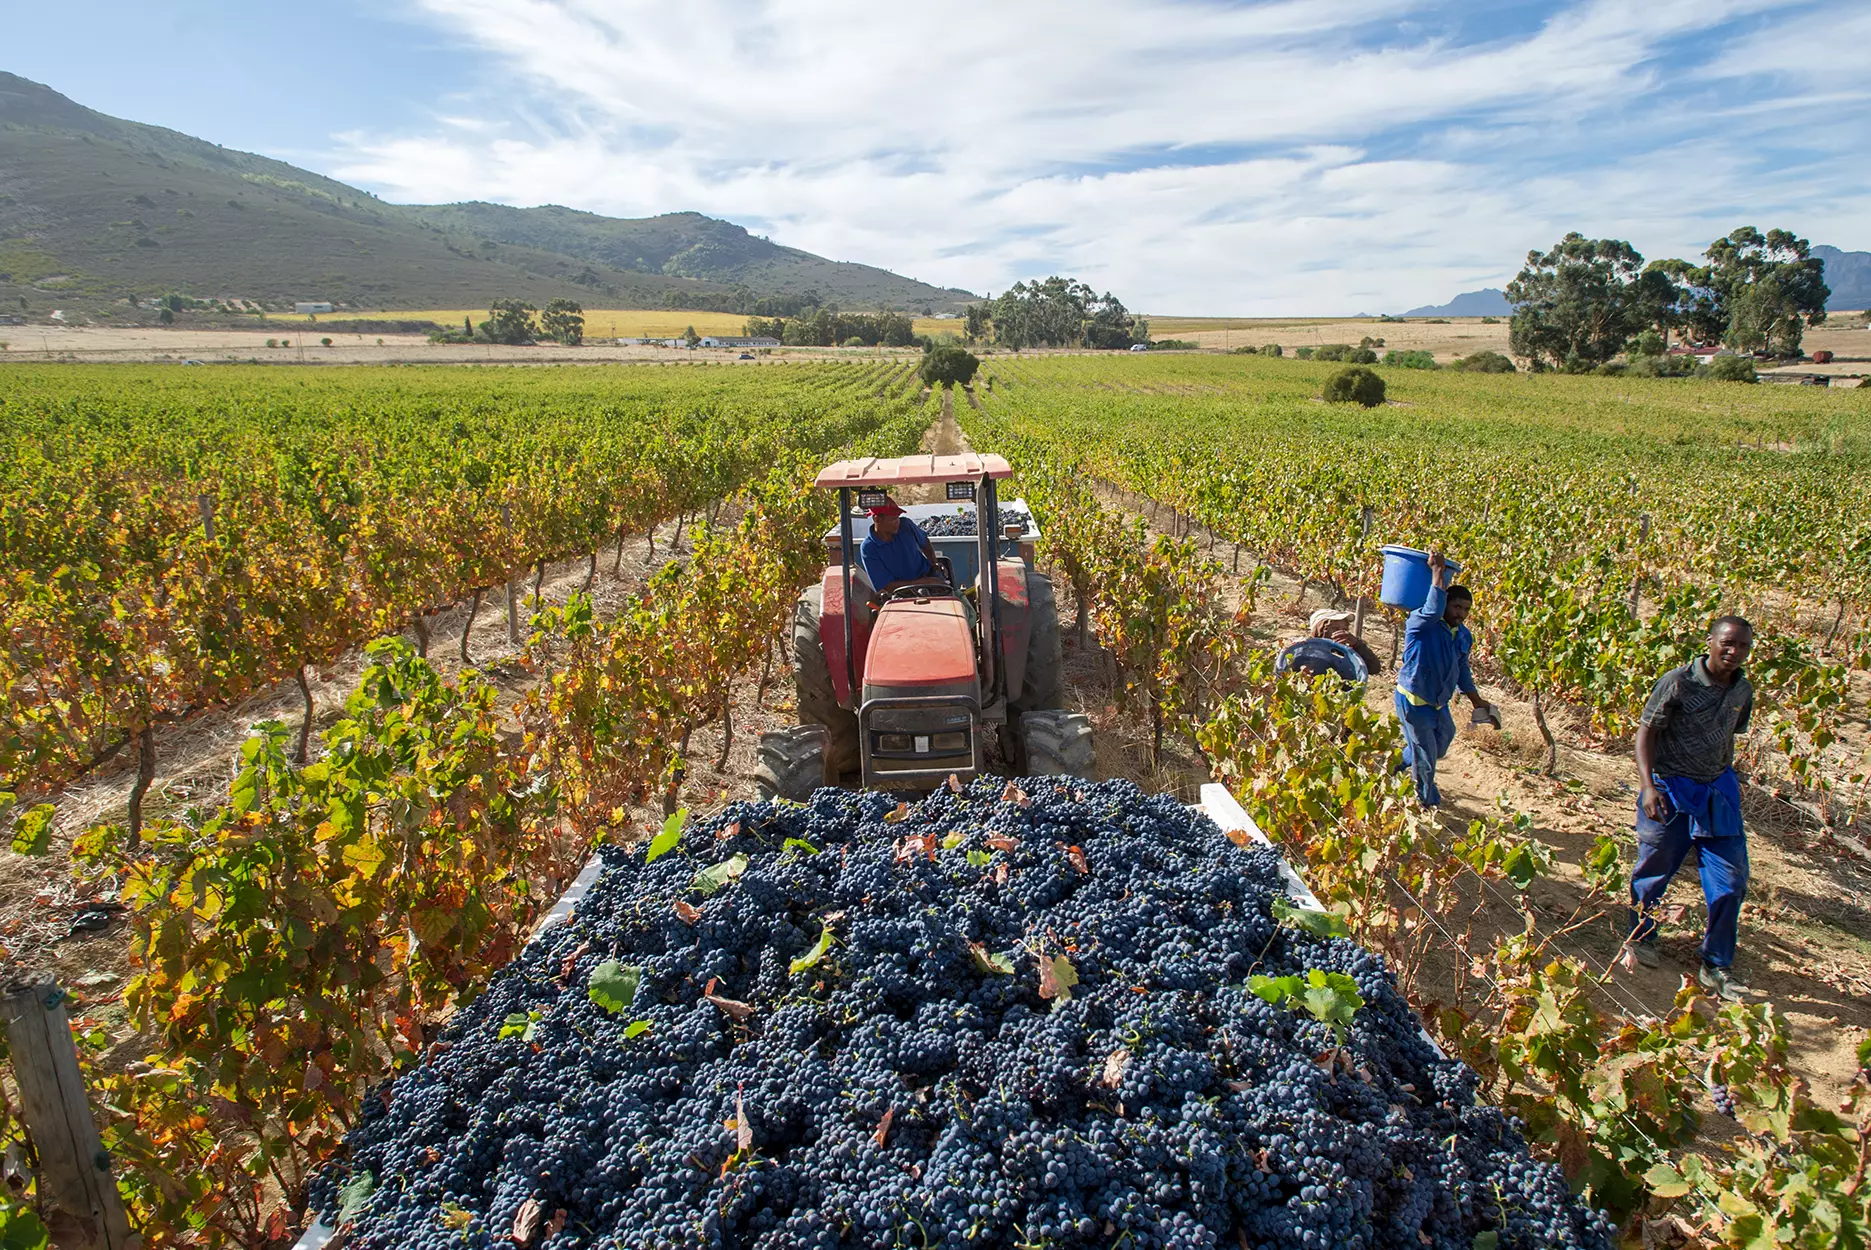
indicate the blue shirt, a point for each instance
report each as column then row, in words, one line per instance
column 1435, row 657
column 898, row 560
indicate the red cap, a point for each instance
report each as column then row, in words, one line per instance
column 884, row 509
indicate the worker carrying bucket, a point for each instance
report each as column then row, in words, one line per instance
column 1436, row 643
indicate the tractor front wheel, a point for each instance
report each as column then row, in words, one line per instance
column 1056, row 744
column 812, row 679
column 1042, row 685
column 793, row 763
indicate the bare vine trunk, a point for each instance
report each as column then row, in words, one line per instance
column 591, row 572
column 727, row 731
column 421, row 627
column 467, row 626
column 1546, row 732
column 303, row 754
column 678, row 773
column 145, row 777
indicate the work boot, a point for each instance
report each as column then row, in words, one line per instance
column 1647, row 953
column 1719, row 982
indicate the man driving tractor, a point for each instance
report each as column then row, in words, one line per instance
column 896, row 552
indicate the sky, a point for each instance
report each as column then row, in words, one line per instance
column 1324, row 157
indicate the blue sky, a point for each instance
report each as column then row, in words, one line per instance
column 1302, row 156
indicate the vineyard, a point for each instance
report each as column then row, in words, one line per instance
column 354, row 904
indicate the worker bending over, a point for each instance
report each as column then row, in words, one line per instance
column 1436, row 644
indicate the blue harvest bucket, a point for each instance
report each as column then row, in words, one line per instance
column 1406, row 577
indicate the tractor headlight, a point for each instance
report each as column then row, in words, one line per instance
column 948, row 744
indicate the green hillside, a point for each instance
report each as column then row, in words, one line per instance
column 94, row 209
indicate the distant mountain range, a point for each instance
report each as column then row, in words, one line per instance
column 1847, row 273
column 1849, row 276
column 93, row 208
column 1486, row 302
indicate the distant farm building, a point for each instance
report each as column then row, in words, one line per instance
column 733, row 340
column 312, row 306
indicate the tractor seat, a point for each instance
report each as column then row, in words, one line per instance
column 921, row 644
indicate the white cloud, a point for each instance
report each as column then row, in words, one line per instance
column 1191, row 156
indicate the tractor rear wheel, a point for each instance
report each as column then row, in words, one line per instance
column 812, row 680
column 1056, row 744
column 792, row 763
column 1042, row 686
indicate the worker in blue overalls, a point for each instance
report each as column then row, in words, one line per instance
column 1436, row 643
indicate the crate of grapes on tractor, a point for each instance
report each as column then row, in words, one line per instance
column 899, row 685
column 1051, row 1012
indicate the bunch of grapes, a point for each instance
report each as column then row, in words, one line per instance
column 964, row 523
column 992, row 1019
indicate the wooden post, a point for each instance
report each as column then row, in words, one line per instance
column 75, row 1183
column 513, row 601
column 1637, row 582
column 205, row 505
column 1364, row 536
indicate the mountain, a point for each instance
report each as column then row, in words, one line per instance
column 1487, row 302
column 94, row 208
column 1849, row 276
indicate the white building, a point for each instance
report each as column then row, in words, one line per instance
column 312, row 306
column 733, row 340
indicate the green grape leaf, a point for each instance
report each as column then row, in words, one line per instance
column 520, row 1025
column 798, row 844
column 32, row 834
column 1331, row 997
column 669, row 838
column 996, row 962
column 979, row 859
column 1057, row 976
column 1323, row 924
column 1275, row 990
column 711, row 880
column 614, row 985
column 811, row 958
column 636, row 1028
column 1522, row 866
column 353, row 1194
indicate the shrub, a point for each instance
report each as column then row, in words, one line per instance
column 1333, row 351
column 1361, row 356
column 1410, row 360
column 325, row 342
column 1732, row 369
column 1485, row 362
column 272, row 342
column 1174, row 345
column 1303, row 353
column 1272, row 349
column 1355, row 386
column 1649, row 343
column 1490, row 321
column 1662, row 367
column 1368, row 341
column 1611, row 369
column 856, row 340
column 948, row 364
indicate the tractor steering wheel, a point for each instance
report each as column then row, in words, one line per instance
column 935, row 587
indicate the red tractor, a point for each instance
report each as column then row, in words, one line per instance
column 902, row 688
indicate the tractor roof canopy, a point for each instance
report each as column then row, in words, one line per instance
column 876, row 471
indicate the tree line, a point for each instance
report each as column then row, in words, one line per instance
column 826, row 326
column 1055, row 312
column 1588, row 300
column 514, row 322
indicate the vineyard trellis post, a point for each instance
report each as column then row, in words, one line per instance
column 74, row 1176
column 1364, row 536
column 1637, row 579
column 513, row 602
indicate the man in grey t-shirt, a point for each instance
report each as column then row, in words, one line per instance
column 1689, row 797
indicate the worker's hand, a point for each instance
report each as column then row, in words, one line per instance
column 1438, row 567
column 1651, row 800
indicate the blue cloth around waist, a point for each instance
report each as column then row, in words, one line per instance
column 1713, row 807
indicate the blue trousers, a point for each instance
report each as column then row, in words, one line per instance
column 1427, row 734
column 1723, row 863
